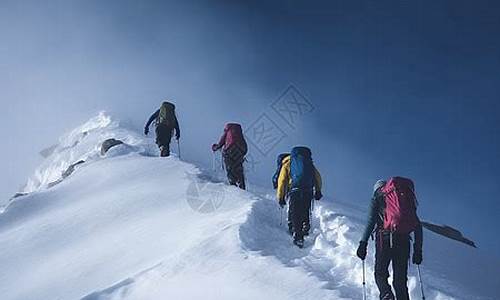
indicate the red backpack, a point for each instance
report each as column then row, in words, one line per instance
column 400, row 205
column 234, row 137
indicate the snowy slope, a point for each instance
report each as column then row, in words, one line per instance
column 129, row 225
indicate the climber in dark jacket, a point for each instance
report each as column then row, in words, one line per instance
column 389, row 247
column 165, row 121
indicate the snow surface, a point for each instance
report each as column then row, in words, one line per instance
column 130, row 225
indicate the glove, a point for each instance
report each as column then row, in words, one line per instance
column 282, row 203
column 318, row 195
column 361, row 253
column 215, row 147
column 146, row 130
column 417, row 256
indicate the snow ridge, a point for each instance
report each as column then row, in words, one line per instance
column 131, row 226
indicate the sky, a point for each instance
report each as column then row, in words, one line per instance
column 383, row 88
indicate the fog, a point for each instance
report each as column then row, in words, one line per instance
column 388, row 90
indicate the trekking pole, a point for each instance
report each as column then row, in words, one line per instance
column 421, row 284
column 364, row 281
column 311, row 209
column 214, row 159
column 281, row 216
column 222, row 161
column 179, row 149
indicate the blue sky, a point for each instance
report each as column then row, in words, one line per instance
column 396, row 89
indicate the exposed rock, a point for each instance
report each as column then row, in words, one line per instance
column 71, row 169
column 66, row 173
column 17, row 195
column 448, row 232
column 108, row 144
column 53, row 183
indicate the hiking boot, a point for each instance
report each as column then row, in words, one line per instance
column 387, row 296
column 298, row 239
column 299, row 243
column 164, row 152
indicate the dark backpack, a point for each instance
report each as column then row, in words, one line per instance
column 235, row 141
column 400, row 215
column 279, row 162
column 301, row 168
column 167, row 115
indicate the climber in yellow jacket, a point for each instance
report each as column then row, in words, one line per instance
column 300, row 181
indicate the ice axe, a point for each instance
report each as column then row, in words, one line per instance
column 421, row 284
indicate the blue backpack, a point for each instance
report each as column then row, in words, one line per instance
column 276, row 175
column 301, row 168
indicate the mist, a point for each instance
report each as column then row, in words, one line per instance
column 391, row 90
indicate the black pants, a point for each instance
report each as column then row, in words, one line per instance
column 307, row 223
column 163, row 137
column 233, row 160
column 298, row 213
column 398, row 254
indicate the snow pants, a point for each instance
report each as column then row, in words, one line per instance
column 298, row 213
column 163, row 137
column 307, row 223
column 393, row 248
column 233, row 160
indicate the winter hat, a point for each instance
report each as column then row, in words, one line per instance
column 380, row 183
